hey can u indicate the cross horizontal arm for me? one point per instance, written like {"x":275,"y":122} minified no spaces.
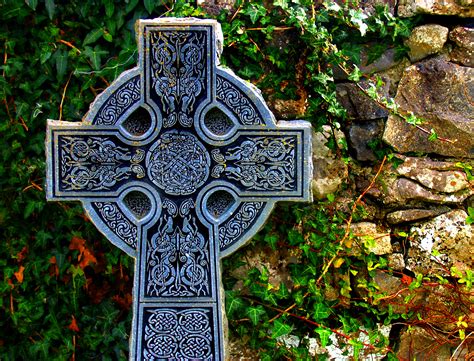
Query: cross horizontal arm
{"x":85,"y":162}
{"x":267,"y":163}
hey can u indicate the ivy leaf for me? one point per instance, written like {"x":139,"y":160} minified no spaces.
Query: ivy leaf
{"x":323,"y":335}
{"x":295,"y":238}
{"x":321,"y":311}
{"x":233,"y":303}
{"x":470,"y":218}
{"x":131,"y":5}
{"x":45,"y":54}
{"x":280,"y":329}
{"x":271,"y":239}
{"x":282,"y":292}
{"x":149,"y":5}
{"x":93,"y":36}
{"x":32,"y":3}
{"x":107,"y":36}
{"x":433,"y":135}
{"x":29,"y":209}
{"x":94,"y":56}
{"x":109,"y":7}
{"x":356,"y":74}
{"x":357,"y":18}
{"x":255,"y":11}
{"x":50,"y":7}
{"x":61,"y":63}
{"x":255,"y":313}
{"x":281,"y":3}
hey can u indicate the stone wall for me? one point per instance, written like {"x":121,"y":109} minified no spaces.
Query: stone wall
{"x":426,"y":197}
{"x":416,"y":211}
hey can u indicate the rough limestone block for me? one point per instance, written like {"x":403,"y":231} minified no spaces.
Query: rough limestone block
{"x":463,"y":51}
{"x":463,"y":8}
{"x":426,"y":40}
{"x":442,"y":93}
{"x":441,"y":243}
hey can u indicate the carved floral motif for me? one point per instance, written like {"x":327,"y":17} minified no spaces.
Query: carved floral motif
{"x":178,"y":163}
{"x":238,"y":224}
{"x":119,"y":102}
{"x":117,"y":222}
{"x":259,"y":163}
{"x":96,"y":163}
{"x":234,"y":98}
{"x":179,"y":73}
{"x":178,"y":263}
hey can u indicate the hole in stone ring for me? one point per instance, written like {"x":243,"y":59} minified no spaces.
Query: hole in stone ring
{"x":218,"y":123}
{"x":138,"y":122}
{"x":138,"y":203}
{"x":219,"y":202}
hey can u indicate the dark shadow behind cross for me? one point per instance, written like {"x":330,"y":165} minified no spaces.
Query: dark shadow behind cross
{"x":178,"y":163}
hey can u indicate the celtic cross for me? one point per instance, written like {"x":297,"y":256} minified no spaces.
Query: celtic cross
{"x":178,"y":163}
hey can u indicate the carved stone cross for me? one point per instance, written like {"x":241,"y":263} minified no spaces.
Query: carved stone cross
{"x":178,"y":163}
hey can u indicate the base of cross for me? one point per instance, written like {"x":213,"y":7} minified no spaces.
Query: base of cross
{"x":181,"y":332}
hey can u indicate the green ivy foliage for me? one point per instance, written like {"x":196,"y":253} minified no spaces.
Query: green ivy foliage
{"x":64,"y":289}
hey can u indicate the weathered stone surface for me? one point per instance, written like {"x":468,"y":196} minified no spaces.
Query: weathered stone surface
{"x":403,"y":190}
{"x":445,"y":304}
{"x":387,"y":283}
{"x":369,"y":6}
{"x":463,"y":37}
{"x":396,"y":261}
{"x":463,"y":51}
{"x":394,"y":75}
{"x":371,"y":237}
{"x":421,"y":180}
{"x":386,"y":61}
{"x":238,"y":351}
{"x":358,"y":105}
{"x":442,"y":93}
{"x":214,"y":7}
{"x":439,"y":176}
{"x":417,"y":344}
{"x":289,"y":108}
{"x":451,"y":239}
{"x":360,"y":136}
{"x":329,"y":171}
{"x":275,"y":261}
{"x":395,"y":290}
{"x":426,"y":40}
{"x":408,"y":8}
{"x":413,"y":215}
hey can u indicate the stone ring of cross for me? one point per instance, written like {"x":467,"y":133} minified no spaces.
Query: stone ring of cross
{"x":178,"y":163}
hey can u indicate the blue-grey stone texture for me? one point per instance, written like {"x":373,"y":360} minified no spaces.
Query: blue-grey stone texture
{"x":178,"y":163}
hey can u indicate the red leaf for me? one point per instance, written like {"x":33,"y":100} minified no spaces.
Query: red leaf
{"x":85,"y":255}
{"x":123,"y":302}
{"x":22,"y":254}
{"x":73,"y":325}
{"x":77,"y":243}
{"x":406,"y":279}
{"x":54,"y":266}
{"x":19,"y":274}
{"x":86,"y":258}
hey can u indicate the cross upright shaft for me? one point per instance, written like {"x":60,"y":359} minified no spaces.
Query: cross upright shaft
{"x":179,"y":163}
